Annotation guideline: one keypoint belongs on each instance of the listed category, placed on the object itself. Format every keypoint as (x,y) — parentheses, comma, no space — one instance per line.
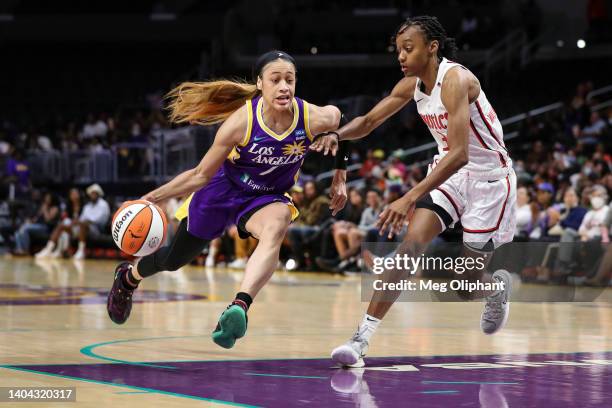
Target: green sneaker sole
(233,326)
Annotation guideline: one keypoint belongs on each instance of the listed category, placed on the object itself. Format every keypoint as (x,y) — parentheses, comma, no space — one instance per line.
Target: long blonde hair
(207,103)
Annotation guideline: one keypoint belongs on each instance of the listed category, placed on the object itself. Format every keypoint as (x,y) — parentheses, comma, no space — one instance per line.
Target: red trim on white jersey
(482,142)
(491,132)
(501,216)
(450,198)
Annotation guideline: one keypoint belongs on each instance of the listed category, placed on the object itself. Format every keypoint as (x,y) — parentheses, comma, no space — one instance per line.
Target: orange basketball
(139,227)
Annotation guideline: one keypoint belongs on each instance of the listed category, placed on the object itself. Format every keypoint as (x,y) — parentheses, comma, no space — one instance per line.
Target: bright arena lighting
(314,50)
(581,43)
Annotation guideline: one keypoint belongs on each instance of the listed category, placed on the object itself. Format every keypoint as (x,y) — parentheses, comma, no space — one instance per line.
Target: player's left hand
(394,217)
(337,192)
(326,143)
(149,197)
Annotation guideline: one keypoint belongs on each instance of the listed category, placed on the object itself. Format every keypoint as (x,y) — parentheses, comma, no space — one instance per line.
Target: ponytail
(448,49)
(207,103)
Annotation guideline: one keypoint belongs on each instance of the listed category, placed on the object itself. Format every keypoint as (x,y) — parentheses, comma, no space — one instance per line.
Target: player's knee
(415,236)
(275,229)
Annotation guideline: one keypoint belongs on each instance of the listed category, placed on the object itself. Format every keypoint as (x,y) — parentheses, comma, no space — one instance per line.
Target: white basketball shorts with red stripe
(484,202)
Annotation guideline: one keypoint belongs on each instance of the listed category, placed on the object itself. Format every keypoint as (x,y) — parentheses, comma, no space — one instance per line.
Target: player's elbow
(334,117)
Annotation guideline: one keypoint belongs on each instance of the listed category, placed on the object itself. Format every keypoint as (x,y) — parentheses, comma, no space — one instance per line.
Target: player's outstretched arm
(455,99)
(362,126)
(229,135)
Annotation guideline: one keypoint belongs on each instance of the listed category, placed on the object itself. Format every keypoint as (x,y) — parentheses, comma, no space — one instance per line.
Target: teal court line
(287,376)
(133,392)
(88,351)
(469,382)
(133,387)
(440,392)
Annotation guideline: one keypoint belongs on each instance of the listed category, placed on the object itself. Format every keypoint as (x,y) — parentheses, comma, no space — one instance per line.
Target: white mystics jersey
(486,145)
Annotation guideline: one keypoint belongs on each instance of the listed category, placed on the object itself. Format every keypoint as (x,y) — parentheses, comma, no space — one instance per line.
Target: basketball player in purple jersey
(243,179)
(470,179)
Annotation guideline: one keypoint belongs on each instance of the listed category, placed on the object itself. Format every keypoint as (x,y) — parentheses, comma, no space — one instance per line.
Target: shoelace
(493,310)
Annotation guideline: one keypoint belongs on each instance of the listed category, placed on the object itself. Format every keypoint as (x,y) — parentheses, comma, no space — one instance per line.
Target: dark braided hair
(433,30)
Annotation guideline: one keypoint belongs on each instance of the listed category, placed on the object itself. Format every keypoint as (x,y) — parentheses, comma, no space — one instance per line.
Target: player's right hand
(394,217)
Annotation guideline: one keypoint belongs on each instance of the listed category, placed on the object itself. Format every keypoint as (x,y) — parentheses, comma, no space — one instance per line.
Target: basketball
(139,227)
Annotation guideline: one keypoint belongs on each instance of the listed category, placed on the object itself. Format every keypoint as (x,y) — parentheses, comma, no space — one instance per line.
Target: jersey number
(270,170)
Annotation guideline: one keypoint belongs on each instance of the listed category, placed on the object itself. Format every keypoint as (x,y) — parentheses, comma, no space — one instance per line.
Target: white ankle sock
(368,326)
(81,246)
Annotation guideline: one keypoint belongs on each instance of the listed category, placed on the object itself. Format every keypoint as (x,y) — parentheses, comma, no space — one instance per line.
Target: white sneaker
(56,254)
(238,263)
(44,253)
(79,254)
(497,308)
(351,353)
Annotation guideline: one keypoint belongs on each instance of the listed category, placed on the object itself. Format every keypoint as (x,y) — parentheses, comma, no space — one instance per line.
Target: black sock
(243,300)
(128,278)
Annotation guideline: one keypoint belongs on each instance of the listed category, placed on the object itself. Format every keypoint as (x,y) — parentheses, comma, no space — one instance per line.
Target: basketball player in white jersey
(470,179)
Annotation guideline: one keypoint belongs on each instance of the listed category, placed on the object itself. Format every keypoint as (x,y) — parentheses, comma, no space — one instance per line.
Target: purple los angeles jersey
(258,172)
(267,162)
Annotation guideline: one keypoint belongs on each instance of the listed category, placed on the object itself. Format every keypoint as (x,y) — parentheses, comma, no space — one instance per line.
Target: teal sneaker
(232,325)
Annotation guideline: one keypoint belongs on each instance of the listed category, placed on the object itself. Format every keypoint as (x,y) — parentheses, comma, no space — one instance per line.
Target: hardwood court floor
(54,331)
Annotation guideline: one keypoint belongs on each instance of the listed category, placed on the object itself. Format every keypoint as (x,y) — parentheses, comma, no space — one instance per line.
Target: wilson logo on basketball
(119,223)
(139,227)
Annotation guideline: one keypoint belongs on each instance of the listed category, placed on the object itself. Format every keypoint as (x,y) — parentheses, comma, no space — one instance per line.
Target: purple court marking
(530,380)
(15,294)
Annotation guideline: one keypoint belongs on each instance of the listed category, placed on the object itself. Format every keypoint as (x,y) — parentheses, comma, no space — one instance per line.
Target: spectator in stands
(313,212)
(592,133)
(524,213)
(92,221)
(546,216)
(593,226)
(18,173)
(341,229)
(94,128)
(7,227)
(44,221)
(571,217)
(373,159)
(94,218)
(571,213)
(5,145)
(70,218)
(397,169)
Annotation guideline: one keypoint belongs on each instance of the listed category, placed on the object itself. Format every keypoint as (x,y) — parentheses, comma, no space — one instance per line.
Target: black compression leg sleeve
(182,250)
